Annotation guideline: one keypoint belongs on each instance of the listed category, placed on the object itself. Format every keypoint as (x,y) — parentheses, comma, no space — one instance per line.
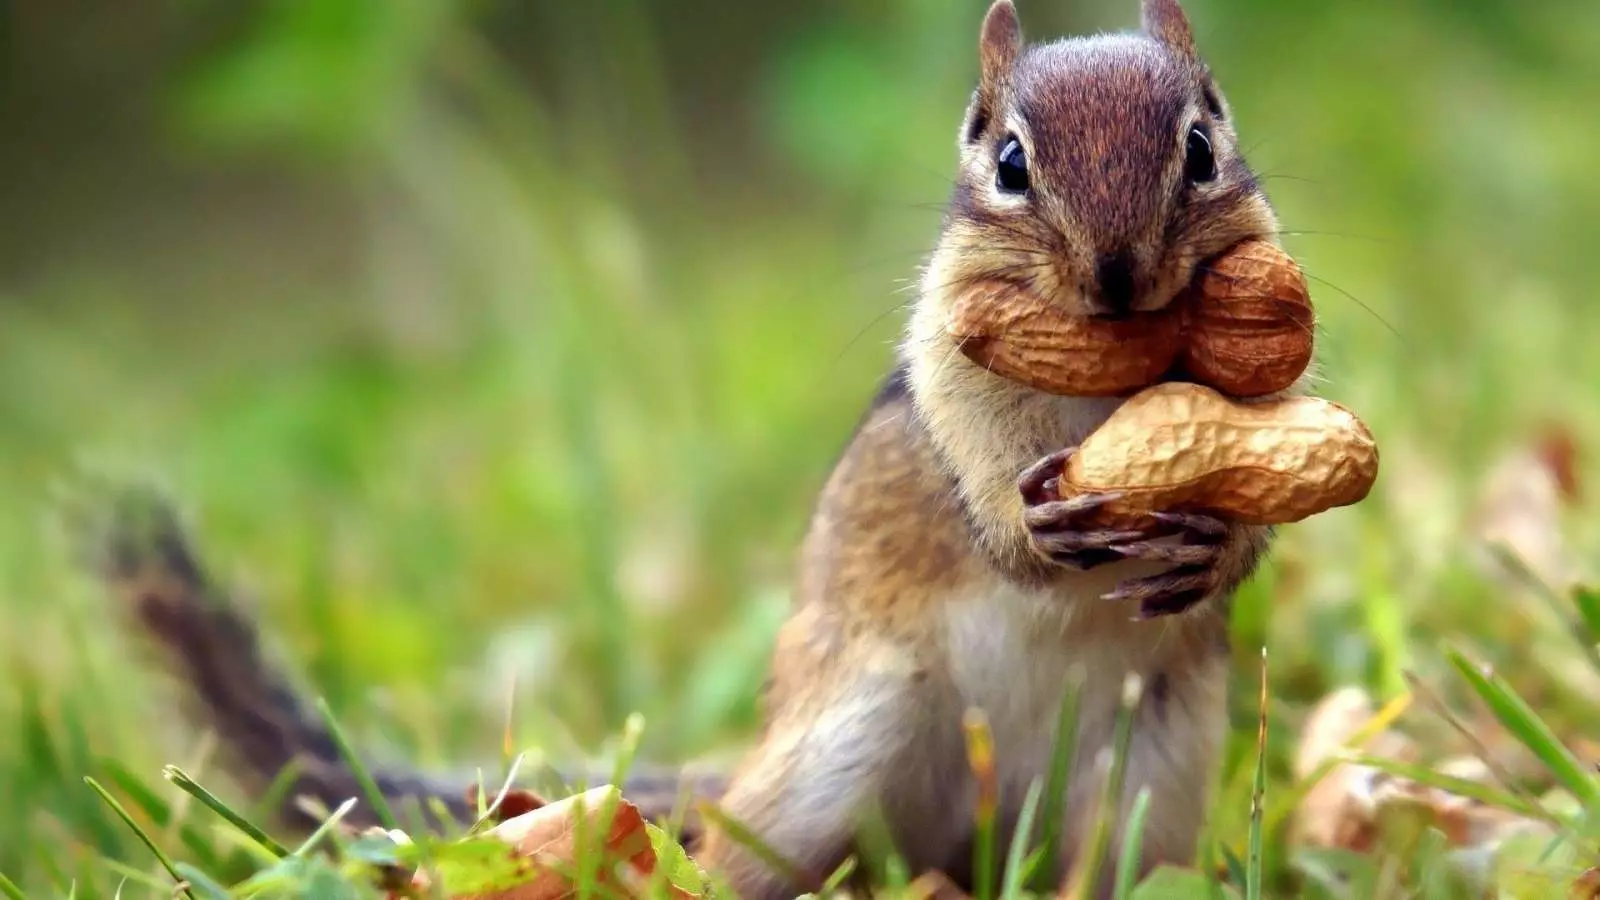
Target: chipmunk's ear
(999,44)
(1165,21)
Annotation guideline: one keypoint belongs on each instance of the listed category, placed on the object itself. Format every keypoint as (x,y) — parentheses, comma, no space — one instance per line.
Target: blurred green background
(511,340)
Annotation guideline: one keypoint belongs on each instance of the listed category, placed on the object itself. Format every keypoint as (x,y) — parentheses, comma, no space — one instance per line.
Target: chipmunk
(941,571)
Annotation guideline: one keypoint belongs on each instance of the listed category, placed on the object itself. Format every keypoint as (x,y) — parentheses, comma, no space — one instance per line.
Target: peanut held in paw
(1249,322)
(1185,447)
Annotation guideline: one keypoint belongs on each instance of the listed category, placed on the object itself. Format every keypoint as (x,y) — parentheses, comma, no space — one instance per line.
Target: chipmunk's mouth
(1023,337)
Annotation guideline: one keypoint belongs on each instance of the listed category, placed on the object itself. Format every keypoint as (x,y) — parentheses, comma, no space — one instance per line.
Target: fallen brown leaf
(1587,885)
(547,838)
(1347,808)
(935,885)
(1332,813)
(1520,506)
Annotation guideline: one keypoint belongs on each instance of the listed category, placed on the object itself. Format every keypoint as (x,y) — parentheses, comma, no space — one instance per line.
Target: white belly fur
(1012,652)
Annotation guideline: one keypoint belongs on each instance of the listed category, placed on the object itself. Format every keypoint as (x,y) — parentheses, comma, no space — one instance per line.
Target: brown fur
(921,592)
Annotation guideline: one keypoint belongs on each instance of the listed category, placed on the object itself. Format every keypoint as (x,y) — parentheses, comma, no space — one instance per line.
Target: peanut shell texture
(1250,326)
(1186,447)
(1245,326)
(1021,336)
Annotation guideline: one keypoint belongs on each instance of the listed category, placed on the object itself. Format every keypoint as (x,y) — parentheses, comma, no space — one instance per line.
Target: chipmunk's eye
(1011,172)
(1199,164)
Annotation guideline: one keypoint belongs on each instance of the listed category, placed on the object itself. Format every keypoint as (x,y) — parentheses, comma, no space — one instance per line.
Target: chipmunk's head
(1095,172)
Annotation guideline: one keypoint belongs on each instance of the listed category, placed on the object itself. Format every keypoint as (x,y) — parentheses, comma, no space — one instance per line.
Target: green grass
(555,417)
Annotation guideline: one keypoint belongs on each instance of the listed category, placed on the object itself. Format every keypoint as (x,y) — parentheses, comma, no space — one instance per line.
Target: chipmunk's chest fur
(1014,650)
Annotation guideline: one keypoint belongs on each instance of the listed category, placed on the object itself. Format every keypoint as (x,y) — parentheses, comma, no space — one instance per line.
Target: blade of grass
(160,855)
(1287,802)
(128,874)
(487,812)
(1587,601)
(202,883)
(179,824)
(1252,885)
(587,830)
(158,811)
(632,734)
(980,757)
(608,626)
(839,877)
(46,860)
(1508,783)
(380,803)
(1235,865)
(478,795)
(1211,868)
(1127,872)
(272,800)
(1581,626)
(9,889)
(73,748)
(584,858)
(747,839)
(1011,887)
(880,855)
(1086,878)
(1057,784)
(324,829)
(1462,787)
(189,786)
(1529,729)
(1387,628)
(446,819)
(508,729)
(44,762)
(428,859)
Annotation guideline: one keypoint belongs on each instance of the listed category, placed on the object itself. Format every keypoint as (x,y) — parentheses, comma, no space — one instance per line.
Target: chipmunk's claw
(1194,559)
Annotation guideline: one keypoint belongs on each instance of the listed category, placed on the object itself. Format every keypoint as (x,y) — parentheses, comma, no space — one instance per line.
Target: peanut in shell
(1018,335)
(1249,323)
(1243,326)
(1185,447)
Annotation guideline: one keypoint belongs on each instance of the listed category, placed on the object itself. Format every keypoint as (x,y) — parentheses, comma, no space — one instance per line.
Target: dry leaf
(547,837)
(1346,809)
(1520,506)
(935,885)
(1587,886)
(1333,813)
(1332,724)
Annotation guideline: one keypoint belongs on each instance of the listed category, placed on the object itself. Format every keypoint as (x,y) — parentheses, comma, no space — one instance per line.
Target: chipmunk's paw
(1194,558)
(1061,530)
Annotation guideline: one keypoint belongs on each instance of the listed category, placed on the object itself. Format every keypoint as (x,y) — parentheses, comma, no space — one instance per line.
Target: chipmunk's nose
(1113,275)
